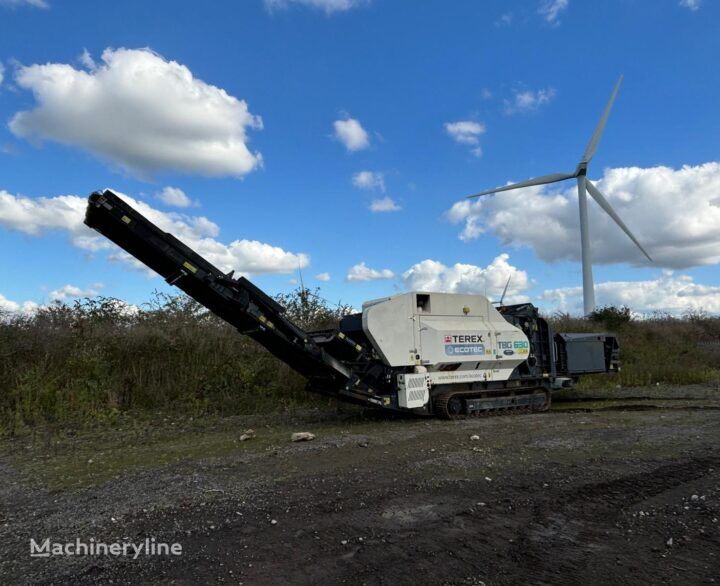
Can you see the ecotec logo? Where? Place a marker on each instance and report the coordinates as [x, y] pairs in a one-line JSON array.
[[464, 349], [464, 339], [147, 548]]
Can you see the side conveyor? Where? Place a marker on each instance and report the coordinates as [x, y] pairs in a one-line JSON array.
[[237, 301]]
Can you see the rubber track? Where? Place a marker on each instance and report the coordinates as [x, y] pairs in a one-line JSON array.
[[440, 404]]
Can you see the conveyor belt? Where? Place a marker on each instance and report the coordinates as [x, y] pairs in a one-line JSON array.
[[236, 300]]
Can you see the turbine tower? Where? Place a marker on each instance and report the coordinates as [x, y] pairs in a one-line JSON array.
[[584, 186]]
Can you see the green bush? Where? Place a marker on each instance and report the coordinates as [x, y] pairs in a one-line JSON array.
[[70, 365], [611, 317]]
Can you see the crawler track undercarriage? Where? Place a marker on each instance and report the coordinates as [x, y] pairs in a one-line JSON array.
[[452, 403]]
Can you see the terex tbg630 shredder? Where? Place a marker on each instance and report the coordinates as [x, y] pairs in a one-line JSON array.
[[447, 355]]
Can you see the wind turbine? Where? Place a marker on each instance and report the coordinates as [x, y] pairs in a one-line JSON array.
[[584, 186]]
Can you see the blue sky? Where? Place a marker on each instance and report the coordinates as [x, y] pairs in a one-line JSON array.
[[527, 79]]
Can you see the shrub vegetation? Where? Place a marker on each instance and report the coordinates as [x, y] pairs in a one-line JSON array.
[[656, 348], [98, 359]]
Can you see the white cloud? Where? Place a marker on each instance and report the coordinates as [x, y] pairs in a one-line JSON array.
[[35, 216], [669, 293], [528, 100], [360, 272], [35, 3], [324, 277], [467, 132], [73, 292], [87, 61], [691, 4], [174, 196], [385, 204], [328, 6], [140, 112], [351, 133], [2, 73], [369, 180], [375, 181], [670, 211], [550, 10], [432, 275], [9, 306], [470, 213]]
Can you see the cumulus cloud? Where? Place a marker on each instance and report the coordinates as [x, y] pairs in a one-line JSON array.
[[528, 100], [375, 181], [9, 306], [360, 272], [87, 61], [385, 204], [73, 292], [466, 132], [691, 4], [670, 211], [675, 294], [2, 73], [432, 275], [550, 10], [324, 277], [470, 213], [174, 196], [372, 180], [35, 216], [351, 133], [34, 3], [328, 6], [140, 112]]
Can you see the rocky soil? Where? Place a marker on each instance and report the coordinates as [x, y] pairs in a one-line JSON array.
[[617, 489]]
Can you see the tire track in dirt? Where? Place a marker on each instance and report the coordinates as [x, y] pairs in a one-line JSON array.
[[567, 531]]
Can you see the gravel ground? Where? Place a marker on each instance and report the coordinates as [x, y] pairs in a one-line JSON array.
[[609, 490]]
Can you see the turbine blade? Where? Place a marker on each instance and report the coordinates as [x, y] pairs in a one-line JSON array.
[[502, 297], [553, 178], [595, 139], [605, 205]]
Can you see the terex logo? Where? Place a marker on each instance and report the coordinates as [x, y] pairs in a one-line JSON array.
[[464, 339]]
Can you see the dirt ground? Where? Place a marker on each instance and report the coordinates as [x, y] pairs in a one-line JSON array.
[[615, 488]]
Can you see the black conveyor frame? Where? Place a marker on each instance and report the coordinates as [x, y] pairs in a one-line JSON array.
[[236, 300]]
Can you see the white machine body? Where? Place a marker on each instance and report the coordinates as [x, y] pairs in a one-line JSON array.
[[449, 338]]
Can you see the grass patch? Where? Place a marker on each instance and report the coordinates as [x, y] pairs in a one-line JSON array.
[[65, 459]]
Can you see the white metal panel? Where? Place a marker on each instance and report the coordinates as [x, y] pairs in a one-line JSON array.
[[449, 329], [413, 390], [389, 324]]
